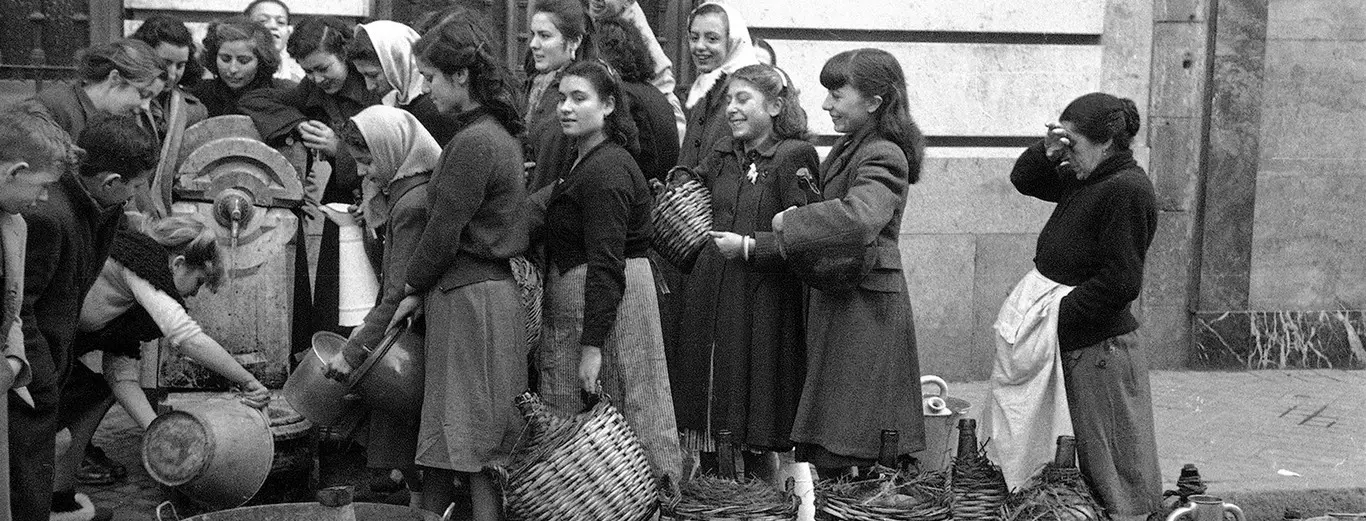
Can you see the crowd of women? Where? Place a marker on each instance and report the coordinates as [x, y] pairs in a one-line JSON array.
[[792, 330]]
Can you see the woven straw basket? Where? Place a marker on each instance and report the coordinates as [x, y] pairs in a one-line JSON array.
[[979, 488], [892, 497], [681, 219], [531, 288], [710, 498], [589, 466]]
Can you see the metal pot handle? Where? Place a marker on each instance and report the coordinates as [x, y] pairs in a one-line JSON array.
[[175, 516], [450, 511]]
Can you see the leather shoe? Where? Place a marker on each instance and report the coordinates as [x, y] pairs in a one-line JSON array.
[[96, 475], [95, 455]]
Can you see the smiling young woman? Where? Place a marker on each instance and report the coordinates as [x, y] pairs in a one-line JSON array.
[[240, 56]]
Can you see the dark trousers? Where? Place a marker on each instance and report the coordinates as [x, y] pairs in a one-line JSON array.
[[32, 443]]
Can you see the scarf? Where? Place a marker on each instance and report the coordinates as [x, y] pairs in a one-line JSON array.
[[740, 53], [400, 147], [393, 44]]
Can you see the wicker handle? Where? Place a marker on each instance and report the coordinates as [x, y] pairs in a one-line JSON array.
[[590, 400], [679, 175]]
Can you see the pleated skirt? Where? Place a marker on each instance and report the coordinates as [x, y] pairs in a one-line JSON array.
[[634, 374]]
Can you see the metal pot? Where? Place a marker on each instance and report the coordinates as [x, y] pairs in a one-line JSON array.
[[391, 378], [218, 453], [320, 399]]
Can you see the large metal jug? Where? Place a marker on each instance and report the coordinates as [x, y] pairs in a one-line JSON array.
[[941, 413], [1206, 508]]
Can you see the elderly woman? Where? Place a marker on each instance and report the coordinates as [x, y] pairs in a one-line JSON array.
[[1093, 245]]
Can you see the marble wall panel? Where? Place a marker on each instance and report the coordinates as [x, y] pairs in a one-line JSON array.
[[939, 274], [1280, 340], [971, 195]]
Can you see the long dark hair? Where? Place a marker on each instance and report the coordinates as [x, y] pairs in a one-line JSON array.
[[464, 43], [624, 48], [161, 28], [235, 29], [618, 126], [773, 83], [875, 72]]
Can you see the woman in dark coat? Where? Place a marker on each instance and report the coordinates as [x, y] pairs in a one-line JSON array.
[[315, 111], [744, 351], [118, 78], [241, 57], [720, 45], [863, 372], [1095, 241]]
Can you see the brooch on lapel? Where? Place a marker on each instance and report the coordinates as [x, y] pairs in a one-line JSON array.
[[753, 174]]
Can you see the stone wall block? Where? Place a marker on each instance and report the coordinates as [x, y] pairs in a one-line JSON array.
[[939, 275], [1178, 69]]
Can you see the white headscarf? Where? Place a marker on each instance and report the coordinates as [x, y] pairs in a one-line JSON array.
[[740, 53], [400, 147], [393, 44]]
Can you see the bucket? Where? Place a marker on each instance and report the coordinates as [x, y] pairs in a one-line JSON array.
[[218, 452], [320, 399], [293, 471], [391, 377], [359, 286], [941, 413]]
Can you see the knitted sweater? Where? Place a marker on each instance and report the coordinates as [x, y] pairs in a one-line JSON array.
[[1096, 240]]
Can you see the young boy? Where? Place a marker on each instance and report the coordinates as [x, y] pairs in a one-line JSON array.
[[34, 152], [69, 240]]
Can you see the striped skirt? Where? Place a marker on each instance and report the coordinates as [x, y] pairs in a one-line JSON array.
[[633, 375]]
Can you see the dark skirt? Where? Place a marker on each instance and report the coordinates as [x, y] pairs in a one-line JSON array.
[[1111, 403]]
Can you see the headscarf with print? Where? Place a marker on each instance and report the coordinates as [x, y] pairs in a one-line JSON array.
[[393, 44], [739, 53], [399, 147]]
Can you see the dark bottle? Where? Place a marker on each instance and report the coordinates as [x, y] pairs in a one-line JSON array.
[[725, 454], [1066, 456], [967, 438], [891, 443]]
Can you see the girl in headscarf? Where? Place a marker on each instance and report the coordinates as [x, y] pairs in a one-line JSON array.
[[720, 45], [397, 155], [382, 52]]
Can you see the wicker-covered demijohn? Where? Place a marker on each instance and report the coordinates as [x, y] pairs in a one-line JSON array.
[[589, 466], [979, 487], [681, 219], [1056, 493], [712, 498], [889, 497]]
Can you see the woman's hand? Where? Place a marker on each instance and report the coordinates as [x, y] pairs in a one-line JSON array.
[[732, 245], [255, 395], [1056, 141], [318, 136], [337, 368], [411, 305], [590, 364]]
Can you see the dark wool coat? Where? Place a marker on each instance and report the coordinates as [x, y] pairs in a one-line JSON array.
[[69, 106], [441, 126], [863, 372], [658, 132], [68, 242], [707, 124], [744, 350], [221, 100]]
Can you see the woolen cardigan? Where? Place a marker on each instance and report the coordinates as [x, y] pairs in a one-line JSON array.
[[478, 209], [599, 214], [1096, 239]]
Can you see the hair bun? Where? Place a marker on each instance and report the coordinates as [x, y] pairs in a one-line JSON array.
[[1131, 119]]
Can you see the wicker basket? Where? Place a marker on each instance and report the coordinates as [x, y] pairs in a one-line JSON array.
[[531, 288], [979, 487], [589, 466], [893, 497], [1056, 493], [710, 498], [681, 219]]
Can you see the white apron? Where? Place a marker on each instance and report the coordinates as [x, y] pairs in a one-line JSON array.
[[1026, 406]]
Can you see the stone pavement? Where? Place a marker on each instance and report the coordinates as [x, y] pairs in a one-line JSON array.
[[1265, 440]]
